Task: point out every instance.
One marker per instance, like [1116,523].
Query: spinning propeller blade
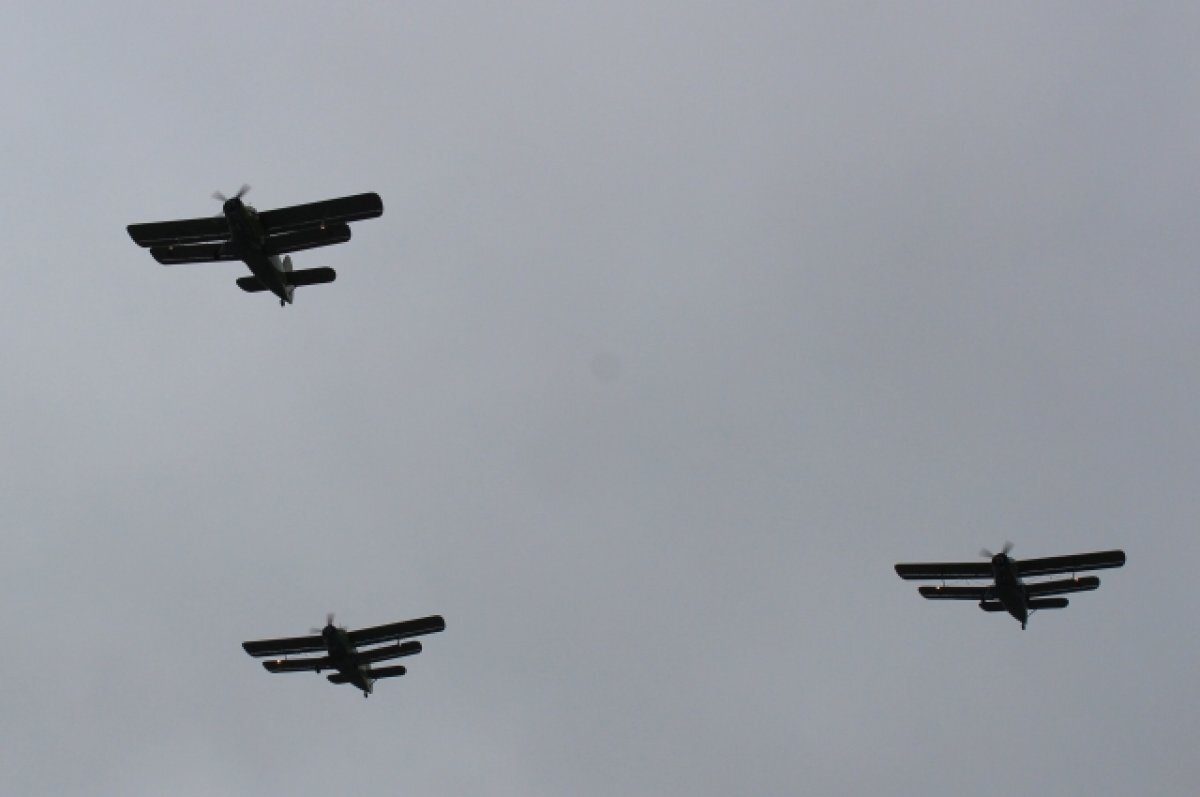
[245,189]
[328,623]
[984,552]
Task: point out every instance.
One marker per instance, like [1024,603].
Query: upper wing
[184,231]
[298,665]
[956,593]
[280,647]
[941,570]
[314,214]
[408,628]
[1062,586]
[1071,564]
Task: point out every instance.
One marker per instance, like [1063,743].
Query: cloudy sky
[681,326]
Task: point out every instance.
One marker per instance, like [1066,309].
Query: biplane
[262,241]
[1009,592]
[341,651]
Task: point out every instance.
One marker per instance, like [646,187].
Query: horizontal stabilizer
[310,276]
[336,233]
[1047,603]
[390,652]
[992,606]
[251,284]
[387,672]
[955,593]
[307,276]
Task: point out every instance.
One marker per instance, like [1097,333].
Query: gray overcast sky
[682,325]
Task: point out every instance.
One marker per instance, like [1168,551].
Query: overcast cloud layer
[680,327]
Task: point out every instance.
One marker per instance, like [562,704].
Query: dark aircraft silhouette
[1008,593]
[341,650]
[258,239]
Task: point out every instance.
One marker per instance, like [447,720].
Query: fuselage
[247,238]
[344,658]
[1009,589]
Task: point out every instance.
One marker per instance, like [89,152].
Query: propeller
[1008,546]
[245,189]
[328,622]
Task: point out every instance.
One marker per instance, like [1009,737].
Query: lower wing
[1062,586]
[299,665]
[328,235]
[193,253]
[410,648]
[956,593]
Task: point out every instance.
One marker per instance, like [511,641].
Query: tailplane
[309,276]
[293,279]
[1047,603]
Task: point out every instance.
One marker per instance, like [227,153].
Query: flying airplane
[1008,592]
[259,239]
[341,650]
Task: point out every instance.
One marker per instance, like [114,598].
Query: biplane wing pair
[263,241]
[343,651]
[1008,591]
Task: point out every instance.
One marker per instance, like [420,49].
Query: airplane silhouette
[1008,591]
